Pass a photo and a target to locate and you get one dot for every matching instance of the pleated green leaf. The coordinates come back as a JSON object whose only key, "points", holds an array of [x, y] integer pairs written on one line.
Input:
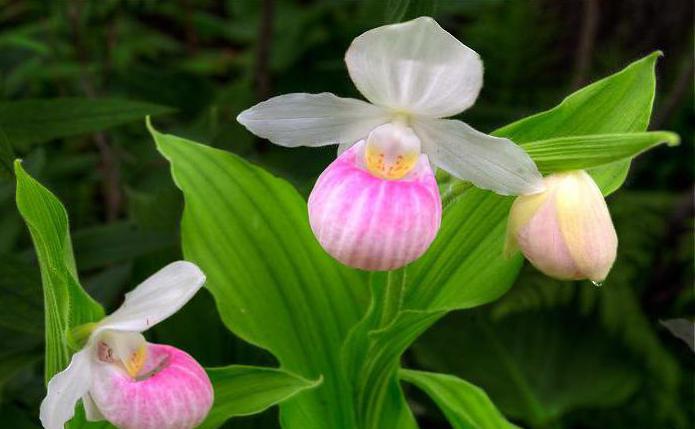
{"points": [[465, 405], [39, 120], [245, 390], [465, 261], [584, 152], [273, 284], [66, 304], [620, 103]]}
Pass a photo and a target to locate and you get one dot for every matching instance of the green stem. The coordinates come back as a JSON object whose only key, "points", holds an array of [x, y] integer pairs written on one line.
{"points": [[392, 296]]}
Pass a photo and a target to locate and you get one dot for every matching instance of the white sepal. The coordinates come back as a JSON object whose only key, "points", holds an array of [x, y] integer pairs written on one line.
{"points": [[415, 67], [492, 163], [65, 389], [155, 299], [91, 411], [302, 119]]}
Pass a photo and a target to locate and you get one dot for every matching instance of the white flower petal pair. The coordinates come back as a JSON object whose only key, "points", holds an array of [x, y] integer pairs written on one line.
{"points": [[154, 300], [417, 71]]}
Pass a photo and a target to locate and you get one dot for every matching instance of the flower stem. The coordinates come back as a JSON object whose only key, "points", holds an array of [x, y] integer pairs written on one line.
{"points": [[392, 296]]}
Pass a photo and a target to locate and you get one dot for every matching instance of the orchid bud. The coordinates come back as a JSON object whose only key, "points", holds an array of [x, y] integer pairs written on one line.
{"points": [[367, 221], [566, 231]]}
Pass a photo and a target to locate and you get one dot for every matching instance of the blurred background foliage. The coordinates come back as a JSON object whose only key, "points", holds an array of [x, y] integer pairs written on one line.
{"points": [[550, 354]]}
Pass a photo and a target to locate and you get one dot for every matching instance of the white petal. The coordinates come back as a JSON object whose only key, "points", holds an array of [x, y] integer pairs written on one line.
{"points": [[65, 389], [91, 411], [155, 299], [343, 147], [489, 162], [312, 119], [417, 67]]}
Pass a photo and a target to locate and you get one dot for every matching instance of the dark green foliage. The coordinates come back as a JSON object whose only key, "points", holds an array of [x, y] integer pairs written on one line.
{"points": [[109, 63]]}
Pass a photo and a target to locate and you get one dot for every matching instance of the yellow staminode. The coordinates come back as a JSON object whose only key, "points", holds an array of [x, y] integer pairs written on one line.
{"points": [[128, 348], [136, 361], [392, 151], [392, 168]]}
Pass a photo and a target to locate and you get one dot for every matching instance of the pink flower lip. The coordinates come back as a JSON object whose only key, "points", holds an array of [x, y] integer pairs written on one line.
{"points": [[172, 392], [371, 223]]}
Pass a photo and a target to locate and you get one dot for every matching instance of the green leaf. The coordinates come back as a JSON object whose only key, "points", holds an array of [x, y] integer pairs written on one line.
{"points": [[465, 261], [620, 103], [592, 109], [66, 304], [245, 390], [80, 421], [371, 353], [39, 120], [465, 405], [584, 152], [273, 284]]}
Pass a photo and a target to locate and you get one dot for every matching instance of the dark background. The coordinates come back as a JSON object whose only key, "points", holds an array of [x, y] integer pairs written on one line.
{"points": [[550, 354]]}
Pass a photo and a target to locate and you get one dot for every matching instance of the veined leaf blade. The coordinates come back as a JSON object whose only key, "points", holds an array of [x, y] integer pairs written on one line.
{"points": [[465, 405], [66, 304], [245, 390], [620, 103], [273, 284], [596, 150]]}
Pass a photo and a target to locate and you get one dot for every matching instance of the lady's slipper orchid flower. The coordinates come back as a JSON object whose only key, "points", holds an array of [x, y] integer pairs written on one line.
{"points": [[566, 231], [377, 206], [126, 380]]}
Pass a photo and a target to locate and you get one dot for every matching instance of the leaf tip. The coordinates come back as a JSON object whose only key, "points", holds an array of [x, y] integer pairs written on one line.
{"points": [[672, 139], [19, 168], [148, 124], [154, 133]]}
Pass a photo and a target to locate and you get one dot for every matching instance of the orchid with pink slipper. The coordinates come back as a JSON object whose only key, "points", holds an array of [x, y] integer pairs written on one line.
{"points": [[127, 381], [377, 207]]}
